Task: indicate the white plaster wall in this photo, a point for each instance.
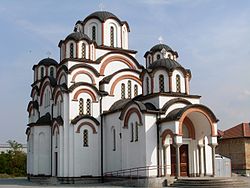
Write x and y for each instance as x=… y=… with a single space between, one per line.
x=117 y=33
x=151 y=142
x=79 y=44
x=125 y=44
x=145 y=84
x=114 y=66
x=42 y=150
x=86 y=159
x=68 y=48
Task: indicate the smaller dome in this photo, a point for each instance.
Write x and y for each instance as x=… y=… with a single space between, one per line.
x=47 y=62
x=101 y=15
x=76 y=36
x=159 y=47
x=167 y=63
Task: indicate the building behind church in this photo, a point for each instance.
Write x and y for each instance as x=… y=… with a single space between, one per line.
x=97 y=111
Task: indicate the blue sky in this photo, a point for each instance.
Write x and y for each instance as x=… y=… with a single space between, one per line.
x=212 y=38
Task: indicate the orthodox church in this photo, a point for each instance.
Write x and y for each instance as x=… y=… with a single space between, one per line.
x=98 y=112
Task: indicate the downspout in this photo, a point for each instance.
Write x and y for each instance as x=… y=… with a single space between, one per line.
x=51 y=139
x=158 y=145
x=102 y=177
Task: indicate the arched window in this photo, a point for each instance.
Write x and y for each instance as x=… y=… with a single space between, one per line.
x=42 y=72
x=161 y=83
x=136 y=132
x=94 y=33
x=83 y=50
x=51 y=71
x=56 y=140
x=132 y=133
x=135 y=90
x=85 y=138
x=147 y=85
x=71 y=50
x=158 y=56
x=88 y=107
x=112 y=37
x=129 y=89
x=178 y=83
x=149 y=59
x=81 y=112
x=114 y=140
x=123 y=91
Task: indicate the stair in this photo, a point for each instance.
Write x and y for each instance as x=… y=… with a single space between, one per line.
x=210 y=182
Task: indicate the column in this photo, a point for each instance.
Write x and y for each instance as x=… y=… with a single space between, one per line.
x=177 y=147
x=201 y=159
x=187 y=84
x=213 y=157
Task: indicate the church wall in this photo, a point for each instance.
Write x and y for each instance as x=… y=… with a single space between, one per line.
x=42 y=150
x=124 y=37
x=151 y=142
x=87 y=49
x=156 y=81
x=117 y=33
x=182 y=80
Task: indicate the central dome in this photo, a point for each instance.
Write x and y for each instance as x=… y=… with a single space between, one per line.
x=159 y=47
x=102 y=16
x=166 y=63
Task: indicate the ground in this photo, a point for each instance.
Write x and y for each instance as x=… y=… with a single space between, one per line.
x=24 y=183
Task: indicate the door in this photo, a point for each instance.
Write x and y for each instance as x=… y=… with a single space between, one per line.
x=184 y=170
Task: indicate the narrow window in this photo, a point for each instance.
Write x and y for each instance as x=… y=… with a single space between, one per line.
x=71 y=50
x=81 y=106
x=123 y=91
x=114 y=140
x=42 y=72
x=88 y=107
x=158 y=56
x=178 y=83
x=129 y=89
x=51 y=72
x=149 y=59
x=136 y=132
x=132 y=132
x=85 y=138
x=83 y=50
x=147 y=85
x=56 y=140
x=94 y=33
x=135 y=90
x=112 y=36
x=161 y=83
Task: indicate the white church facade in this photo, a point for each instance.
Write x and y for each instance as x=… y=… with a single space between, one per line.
x=98 y=112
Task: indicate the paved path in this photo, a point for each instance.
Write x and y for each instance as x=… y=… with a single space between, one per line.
x=24 y=183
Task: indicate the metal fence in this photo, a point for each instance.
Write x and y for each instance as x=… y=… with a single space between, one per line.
x=222 y=166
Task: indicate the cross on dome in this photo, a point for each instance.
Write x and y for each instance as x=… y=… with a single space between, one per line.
x=160 y=39
x=48 y=53
x=101 y=6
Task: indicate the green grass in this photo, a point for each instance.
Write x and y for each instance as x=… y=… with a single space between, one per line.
x=5 y=176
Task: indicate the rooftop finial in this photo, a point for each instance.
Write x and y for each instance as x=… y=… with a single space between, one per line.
x=48 y=54
x=101 y=6
x=160 y=39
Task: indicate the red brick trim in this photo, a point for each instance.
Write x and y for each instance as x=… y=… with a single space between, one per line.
x=165 y=133
x=190 y=127
x=42 y=91
x=92 y=95
x=122 y=78
x=116 y=58
x=129 y=112
x=83 y=72
x=86 y=124
x=55 y=126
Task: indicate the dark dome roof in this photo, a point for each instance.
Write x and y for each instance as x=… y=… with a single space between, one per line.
x=119 y=104
x=47 y=62
x=77 y=36
x=167 y=63
x=101 y=15
x=159 y=47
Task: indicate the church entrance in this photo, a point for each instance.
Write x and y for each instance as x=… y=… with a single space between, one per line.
x=184 y=170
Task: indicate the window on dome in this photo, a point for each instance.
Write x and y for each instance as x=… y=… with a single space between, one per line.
x=161 y=83
x=158 y=56
x=129 y=89
x=83 y=50
x=178 y=83
x=112 y=36
x=149 y=59
x=71 y=51
x=42 y=72
x=51 y=72
x=88 y=107
x=94 y=33
x=123 y=91
x=85 y=138
x=147 y=85
x=135 y=90
x=81 y=112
